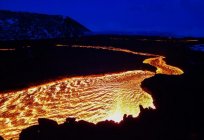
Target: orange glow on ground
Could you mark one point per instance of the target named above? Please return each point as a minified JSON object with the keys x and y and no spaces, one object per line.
{"x":92,"y":98}
{"x":5,"y":49}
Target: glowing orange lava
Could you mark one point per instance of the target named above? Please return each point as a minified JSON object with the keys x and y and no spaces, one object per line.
{"x":92,"y":98}
{"x":6,"y":49}
{"x":162,"y":67}
{"x":114,"y":49}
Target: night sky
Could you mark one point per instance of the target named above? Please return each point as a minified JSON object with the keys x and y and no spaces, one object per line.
{"x":176,"y":17}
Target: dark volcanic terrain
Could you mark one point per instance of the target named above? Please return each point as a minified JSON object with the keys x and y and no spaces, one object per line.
{"x":30,"y":61}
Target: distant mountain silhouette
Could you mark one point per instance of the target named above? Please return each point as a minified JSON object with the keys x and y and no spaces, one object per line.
{"x":32,"y":26}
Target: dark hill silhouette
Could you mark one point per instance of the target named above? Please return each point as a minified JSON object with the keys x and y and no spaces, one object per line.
{"x":32,"y":26}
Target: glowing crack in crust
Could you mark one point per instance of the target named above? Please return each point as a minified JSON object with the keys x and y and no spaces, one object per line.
{"x":92,"y":98}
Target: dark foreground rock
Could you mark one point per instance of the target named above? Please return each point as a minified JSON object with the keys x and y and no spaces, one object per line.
{"x":70,"y":130}
{"x":1,"y":138}
{"x":150,"y":125}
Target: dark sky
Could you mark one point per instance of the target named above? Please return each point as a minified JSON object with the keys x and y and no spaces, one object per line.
{"x":179,"y":17}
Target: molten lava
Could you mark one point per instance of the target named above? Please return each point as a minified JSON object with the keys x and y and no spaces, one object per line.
{"x":92,"y":98}
{"x":162,"y":67}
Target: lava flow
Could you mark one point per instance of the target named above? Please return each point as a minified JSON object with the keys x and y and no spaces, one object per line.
{"x":162,"y":67}
{"x":92,"y":98}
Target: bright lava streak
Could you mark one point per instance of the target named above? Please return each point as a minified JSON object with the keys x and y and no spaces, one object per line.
{"x":5,"y":49}
{"x":162,"y":67}
{"x":114,"y":49}
{"x":92,"y":98}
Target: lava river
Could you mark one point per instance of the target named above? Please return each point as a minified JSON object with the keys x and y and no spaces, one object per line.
{"x":92,"y":98}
